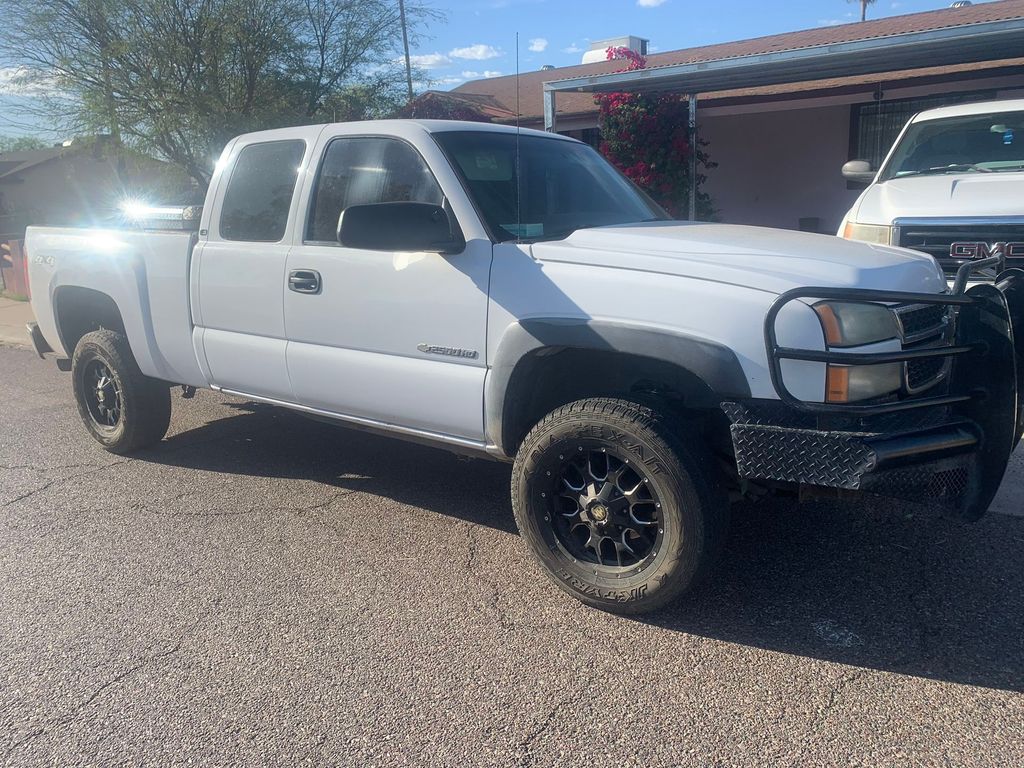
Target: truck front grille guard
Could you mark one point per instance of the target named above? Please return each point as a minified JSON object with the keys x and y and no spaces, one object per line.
{"x":950,"y":449}
{"x":958,"y":298}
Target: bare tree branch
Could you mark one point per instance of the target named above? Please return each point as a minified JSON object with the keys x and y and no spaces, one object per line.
{"x":178,"y":78}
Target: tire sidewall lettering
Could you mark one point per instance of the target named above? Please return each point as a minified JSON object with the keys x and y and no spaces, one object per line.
{"x":542,"y":458}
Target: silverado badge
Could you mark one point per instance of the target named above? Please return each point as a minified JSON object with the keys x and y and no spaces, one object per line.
{"x":435,"y":349}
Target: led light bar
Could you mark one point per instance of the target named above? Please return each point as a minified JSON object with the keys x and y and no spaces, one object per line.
{"x":167,"y":217}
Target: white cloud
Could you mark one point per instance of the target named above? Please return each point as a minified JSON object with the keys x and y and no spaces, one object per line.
{"x":22,"y":81}
{"x":538,"y":45}
{"x":473,"y":75}
{"x":428,"y":60}
{"x":477,"y":52}
{"x":572,"y":49}
{"x":835,"y":22}
{"x":448,"y":81}
{"x":649,"y":3}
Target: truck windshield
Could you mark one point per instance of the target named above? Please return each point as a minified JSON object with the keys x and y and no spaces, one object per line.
{"x":968,"y":144}
{"x":564,"y":185}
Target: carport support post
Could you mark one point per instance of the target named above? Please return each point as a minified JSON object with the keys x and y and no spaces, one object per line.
{"x":549,"y":111}
{"x":692,"y":119}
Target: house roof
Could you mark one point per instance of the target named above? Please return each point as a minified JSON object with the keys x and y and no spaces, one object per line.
{"x":530,"y":84}
{"x":13,"y":163}
{"x":483,"y":103}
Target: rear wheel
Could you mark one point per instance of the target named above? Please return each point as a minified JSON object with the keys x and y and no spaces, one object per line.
{"x":123,"y":409}
{"x":614,"y":507}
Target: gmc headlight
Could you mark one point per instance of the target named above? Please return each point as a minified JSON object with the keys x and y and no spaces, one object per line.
{"x":851,"y":324}
{"x":869,"y":233}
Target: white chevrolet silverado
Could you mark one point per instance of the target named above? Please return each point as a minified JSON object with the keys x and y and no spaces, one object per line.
{"x":509,"y":294}
{"x":952,"y":186}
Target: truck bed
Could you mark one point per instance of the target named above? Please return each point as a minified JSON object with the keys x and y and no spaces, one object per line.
{"x":146,"y":274}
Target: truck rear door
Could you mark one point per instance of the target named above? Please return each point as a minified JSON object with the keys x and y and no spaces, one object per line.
{"x":240,"y":265}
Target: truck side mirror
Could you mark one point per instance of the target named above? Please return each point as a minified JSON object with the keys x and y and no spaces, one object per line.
{"x":399,"y":227}
{"x":859,"y":171}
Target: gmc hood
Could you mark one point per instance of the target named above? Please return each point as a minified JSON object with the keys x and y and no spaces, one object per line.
{"x":764,"y":259}
{"x":949,"y":195}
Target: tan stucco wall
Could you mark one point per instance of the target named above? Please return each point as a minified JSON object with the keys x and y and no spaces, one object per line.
{"x":775,"y":168}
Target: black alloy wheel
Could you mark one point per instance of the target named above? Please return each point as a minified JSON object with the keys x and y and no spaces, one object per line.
{"x":604,"y":509}
{"x":122,"y":408}
{"x":102,"y":395}
{"x":617,"y":508}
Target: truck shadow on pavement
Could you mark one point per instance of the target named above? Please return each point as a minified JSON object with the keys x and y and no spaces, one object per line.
{"x":889,"y":588}
{"x":266,"y":441}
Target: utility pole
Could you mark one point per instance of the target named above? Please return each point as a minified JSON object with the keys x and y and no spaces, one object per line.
{"x":405,"y":43}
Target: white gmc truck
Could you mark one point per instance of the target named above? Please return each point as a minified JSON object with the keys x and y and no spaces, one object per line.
{"x":511,"y":295}
{"x":952,"y":186}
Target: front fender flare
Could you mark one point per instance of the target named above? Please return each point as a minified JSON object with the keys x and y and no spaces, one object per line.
{"x":714,"y":364}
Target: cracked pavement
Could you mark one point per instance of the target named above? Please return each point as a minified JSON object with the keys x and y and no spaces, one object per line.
{"x":266,"y":589}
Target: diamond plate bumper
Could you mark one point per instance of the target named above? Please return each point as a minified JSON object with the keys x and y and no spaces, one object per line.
{"x":835,"y":458}
{"x":949,"y":447}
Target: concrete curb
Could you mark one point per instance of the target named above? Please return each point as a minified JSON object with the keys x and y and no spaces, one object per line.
{"x":13,"y":317}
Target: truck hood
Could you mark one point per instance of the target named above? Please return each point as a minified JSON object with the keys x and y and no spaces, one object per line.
{"x":764,"y":259}
{"x":958,"y":195}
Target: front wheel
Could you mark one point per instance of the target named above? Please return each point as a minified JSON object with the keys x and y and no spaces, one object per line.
{"x":123,"y":409}
{"x":615,"y":508}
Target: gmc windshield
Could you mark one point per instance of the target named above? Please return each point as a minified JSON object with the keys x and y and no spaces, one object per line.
{"x":971,"y":143}
{"x":564,"y":185}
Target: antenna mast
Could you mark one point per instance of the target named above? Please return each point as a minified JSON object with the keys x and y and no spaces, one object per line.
{"x":519,"y":185}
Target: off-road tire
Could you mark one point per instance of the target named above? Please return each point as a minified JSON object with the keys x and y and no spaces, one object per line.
{"x":693,"y":508}
{"x":144,"y":403}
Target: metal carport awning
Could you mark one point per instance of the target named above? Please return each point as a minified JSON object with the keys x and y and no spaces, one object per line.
{"x":963,"y":44}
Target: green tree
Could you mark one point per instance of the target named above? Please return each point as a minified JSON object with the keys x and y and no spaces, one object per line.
{"x":436,"y":105}
{"x":178,"y":78}
{"x":21,"y":143}
{"x":863,"y":7}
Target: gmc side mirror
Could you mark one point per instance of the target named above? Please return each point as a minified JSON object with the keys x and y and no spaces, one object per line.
{"x":399,"y":227}
{"x":859,"y":171}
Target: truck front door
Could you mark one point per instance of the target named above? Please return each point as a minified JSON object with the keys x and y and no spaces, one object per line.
{"x":383,"y":337}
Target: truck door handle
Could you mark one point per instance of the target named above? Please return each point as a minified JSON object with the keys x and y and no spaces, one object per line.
{"x":304,"y":281}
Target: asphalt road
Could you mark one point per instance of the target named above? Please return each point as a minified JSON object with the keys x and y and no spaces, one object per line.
{"x":264,"y":589}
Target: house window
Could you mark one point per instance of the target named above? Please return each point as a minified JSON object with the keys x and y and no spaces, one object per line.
{"x":591,"y":136}
{"x":875,"y":126}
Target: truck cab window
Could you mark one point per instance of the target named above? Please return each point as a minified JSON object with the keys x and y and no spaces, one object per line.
{"x":260,"y":190}
{"x":362,"y":171}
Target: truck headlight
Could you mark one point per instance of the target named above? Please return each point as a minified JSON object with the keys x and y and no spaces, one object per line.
{"x":854,"y":324}
{"x":869,"y":233}
{"x":849,"y":383}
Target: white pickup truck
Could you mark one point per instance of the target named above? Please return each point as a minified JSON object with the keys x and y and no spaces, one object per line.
{"x":511,"y":295}
{"x":952,"y":186}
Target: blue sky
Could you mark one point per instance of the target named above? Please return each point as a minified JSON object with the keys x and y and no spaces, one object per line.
{"x":478,"y":39}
